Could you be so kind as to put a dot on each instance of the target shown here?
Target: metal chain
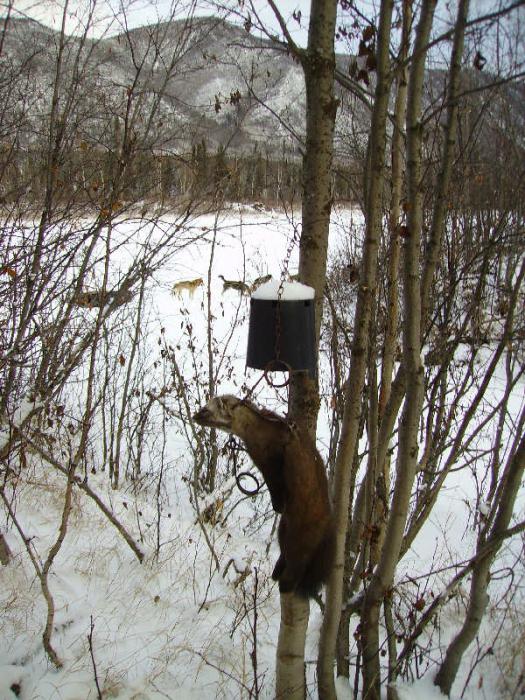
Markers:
(277, 349)
(291, 245)
(235, 447)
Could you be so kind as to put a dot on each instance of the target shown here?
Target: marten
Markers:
(296, 478)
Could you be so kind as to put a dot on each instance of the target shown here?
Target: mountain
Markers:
(212, 79)
(180, 82)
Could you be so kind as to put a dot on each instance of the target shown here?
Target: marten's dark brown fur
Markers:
(296, 478)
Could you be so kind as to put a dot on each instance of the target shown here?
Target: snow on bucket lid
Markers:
(292, 291)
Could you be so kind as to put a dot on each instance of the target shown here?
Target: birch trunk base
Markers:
(290, 676)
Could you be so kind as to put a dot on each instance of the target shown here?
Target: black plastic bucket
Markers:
(281, 336)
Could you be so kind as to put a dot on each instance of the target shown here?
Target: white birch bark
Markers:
(290, 674)
(412, 367)
(352, 411)
(318, 62)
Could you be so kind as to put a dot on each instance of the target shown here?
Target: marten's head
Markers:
(222, 412)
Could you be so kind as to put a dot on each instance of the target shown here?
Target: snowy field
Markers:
(176, 625)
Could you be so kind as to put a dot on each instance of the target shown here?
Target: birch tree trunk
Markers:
(290, 682)
(321, 106)
(478, 597)
(394, 250)
(318, 62)
(356, 379)
(394, 218)
(412, 367)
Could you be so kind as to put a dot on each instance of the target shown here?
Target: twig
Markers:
(46, 567)
(223, 671)
(253, 654)
(84, 487)
(92, 654)
(42, 577)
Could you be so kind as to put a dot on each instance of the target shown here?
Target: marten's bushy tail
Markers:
(292, 576)
(319, 567)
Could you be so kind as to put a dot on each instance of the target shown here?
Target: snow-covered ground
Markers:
(176, 625)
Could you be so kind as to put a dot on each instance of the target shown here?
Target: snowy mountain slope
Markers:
(195, 70)
(214, 81)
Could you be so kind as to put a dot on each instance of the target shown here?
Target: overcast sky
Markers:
(142, 12)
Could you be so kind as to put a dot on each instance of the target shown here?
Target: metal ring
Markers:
(268, 368)
(247, 492)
